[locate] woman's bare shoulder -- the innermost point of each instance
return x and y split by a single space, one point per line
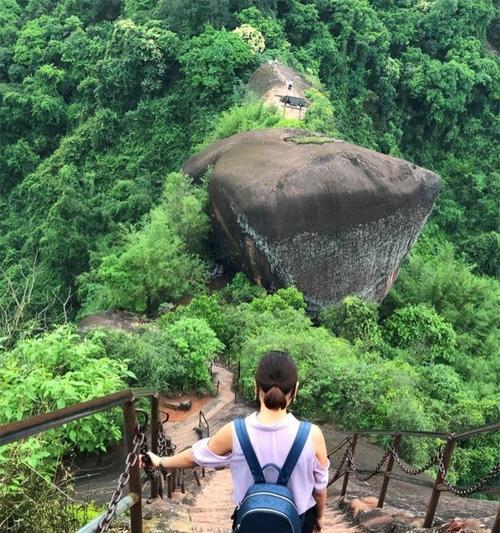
319 444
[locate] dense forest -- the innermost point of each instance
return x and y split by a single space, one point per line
101 101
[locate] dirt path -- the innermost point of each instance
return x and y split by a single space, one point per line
270 82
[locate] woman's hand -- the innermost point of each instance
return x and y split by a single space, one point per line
319 524
154 460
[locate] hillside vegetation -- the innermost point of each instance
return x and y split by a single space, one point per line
100 103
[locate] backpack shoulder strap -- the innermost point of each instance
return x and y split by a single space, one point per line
248 451
294 454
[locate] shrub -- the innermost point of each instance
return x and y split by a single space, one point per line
433 276
420 329
197 345
354 320
33 502
39 375
241 289
204 306
319 115
158 261
440 382
55 370
252 114
171 359
289 298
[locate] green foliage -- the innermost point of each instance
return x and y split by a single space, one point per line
138 63
421 330
319 114
175 358
241 290
55 370
354 319
197 346
212 60
51 509
40 375
188 18
203 306
250 115
157 261
483 252
465 301
271 29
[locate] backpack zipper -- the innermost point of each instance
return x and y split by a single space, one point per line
268 511
269 494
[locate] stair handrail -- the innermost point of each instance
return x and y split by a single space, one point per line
28 427
442 458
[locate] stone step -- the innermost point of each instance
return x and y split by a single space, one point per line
213 507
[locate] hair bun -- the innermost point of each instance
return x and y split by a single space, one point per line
275 398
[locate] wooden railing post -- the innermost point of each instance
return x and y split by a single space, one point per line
436 490
130 426
155 426
496 525
354 440
388 470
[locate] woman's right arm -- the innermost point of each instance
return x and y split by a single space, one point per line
221 444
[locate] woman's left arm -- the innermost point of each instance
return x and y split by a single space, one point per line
319 493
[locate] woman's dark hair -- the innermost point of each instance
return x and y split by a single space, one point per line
276 376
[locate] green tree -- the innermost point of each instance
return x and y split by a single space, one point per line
214 61
156 262
354 320
420 329
138 61
271 28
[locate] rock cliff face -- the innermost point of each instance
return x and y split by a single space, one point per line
328 217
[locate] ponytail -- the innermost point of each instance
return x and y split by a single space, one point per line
274 398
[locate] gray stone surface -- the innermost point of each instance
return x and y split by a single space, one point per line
330 218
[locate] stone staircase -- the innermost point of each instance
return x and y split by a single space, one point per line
213 506
209 510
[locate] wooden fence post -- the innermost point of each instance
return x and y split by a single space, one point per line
436 491
155 426
388 470
353 442
130 424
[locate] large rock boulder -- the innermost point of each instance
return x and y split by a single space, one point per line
326 216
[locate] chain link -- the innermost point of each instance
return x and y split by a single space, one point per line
477 487
414 471
131 460
373 472
339 472
437 458
348 458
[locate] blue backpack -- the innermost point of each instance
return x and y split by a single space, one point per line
269 506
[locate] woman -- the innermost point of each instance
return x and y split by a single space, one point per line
272 431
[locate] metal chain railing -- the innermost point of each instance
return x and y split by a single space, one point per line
348 461
468 491
373 472
414 471
340 472
130 461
